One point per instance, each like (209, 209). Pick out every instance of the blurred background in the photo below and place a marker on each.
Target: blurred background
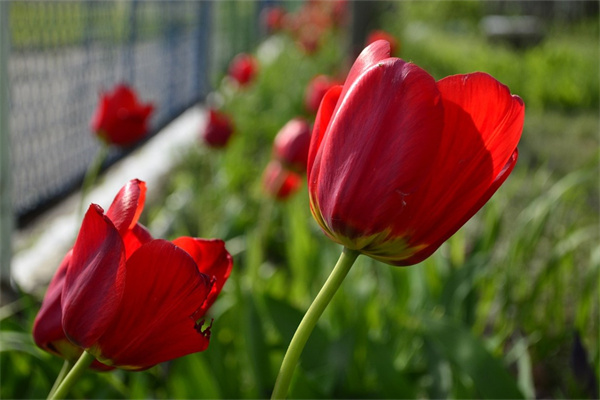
(507, 308)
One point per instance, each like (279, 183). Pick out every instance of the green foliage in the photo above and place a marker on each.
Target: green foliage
(49, 24)
(559, 73)
(492, 314)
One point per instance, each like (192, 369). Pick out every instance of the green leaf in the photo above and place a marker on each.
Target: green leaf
(257, 347)
(469, 355)
(394, 384)
(191, 377)
(286, 319)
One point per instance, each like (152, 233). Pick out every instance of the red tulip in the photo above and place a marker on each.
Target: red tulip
(315, 91)
(291, 144)
(218, 129)
(272, 18)
(120, 119)
(399, 162)
(379, 34)
(280, 182)
(130, 300)
(48, 331)
(243, 69)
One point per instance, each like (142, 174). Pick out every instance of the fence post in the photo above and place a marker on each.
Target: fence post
(6, 209)
(203, 61)
(129, 47)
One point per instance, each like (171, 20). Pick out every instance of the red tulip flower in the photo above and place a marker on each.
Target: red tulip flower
(379, 34)
(291, 144)
(132, 301)
(280, 182)
(218, 129)
(120, 119)
(399, 162)
(272, 18)
(243, 69)
(315, 91)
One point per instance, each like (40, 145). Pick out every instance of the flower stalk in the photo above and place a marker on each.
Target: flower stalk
(290, 360)
(61, 375)
(92, 174)
(80, 366)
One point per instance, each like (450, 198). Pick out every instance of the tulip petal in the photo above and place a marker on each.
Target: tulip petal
(320, 127)
(146, 109)
(380, 144)
(212, 259)
(371, 55)
(155, 322)
(47, 327)
(497, 115)
(94, 281)
(482, 127)
(124, 97)
(127, 206)
(430, 249)
(134, 238)
(100, 115)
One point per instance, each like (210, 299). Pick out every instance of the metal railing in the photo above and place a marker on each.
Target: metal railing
(56, 57)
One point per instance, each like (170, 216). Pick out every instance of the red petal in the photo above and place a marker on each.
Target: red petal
(483, 124)
(443, 236)
(123, 97)
(371, 55)
(94, 281)
(127, 206)
(321, 122)
(99, 117)
(47, 327)
(134, 238)
(496, 114)
(212, 259)
(280, 182)
(378, 149)
(155, 323)
(146, 109)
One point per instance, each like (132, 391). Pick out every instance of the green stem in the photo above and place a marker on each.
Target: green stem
(92, 173)
(80, 366)
(309, 321)
(61, 375)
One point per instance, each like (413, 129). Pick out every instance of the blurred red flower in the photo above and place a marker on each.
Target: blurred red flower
(379, 34)
(280, 182)
(315, 91)
(218, 129)
(120, 118)
(399, 162)
(243, 69)
(130, 300)
(313, 20)
(272, 18)
(291, 144)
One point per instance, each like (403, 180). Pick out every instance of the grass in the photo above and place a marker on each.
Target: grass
(493, 314)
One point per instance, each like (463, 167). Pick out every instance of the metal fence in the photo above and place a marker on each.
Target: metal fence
(62, 54)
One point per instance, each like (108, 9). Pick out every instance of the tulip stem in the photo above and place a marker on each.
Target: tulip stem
(309, 321)
(61, 375)
(80, 366)
(92, 173)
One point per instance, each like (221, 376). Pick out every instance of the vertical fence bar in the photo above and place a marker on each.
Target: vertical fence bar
(202, 47)
(170, 53)
(129, 47)
(6, 209)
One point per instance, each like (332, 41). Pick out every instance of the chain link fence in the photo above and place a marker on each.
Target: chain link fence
(63, 54)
